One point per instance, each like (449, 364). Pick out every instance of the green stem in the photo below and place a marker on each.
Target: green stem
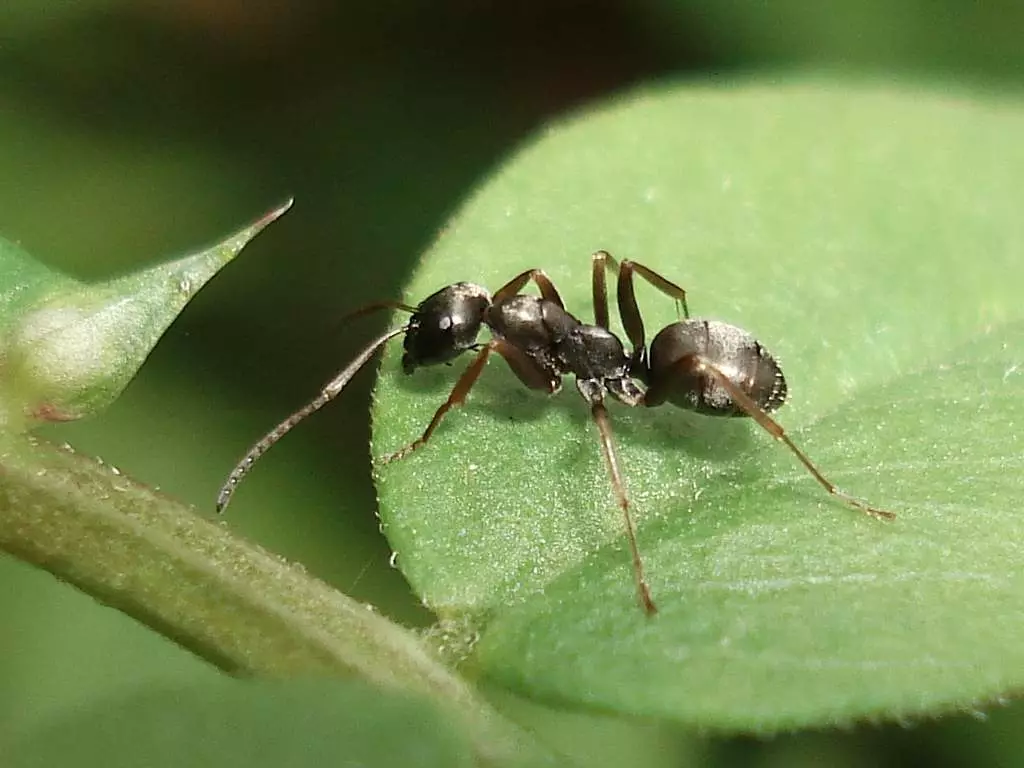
(239, 607)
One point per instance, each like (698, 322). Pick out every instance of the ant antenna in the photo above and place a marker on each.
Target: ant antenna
(331, 390)
(368, 309)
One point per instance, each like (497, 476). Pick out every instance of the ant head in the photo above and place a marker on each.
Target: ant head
(444, 325)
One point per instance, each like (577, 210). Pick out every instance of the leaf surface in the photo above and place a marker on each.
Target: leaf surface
(871, 239)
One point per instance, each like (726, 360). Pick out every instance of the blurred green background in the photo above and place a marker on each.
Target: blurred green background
(132, 131)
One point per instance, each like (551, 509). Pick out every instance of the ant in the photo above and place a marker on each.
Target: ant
(706, 366)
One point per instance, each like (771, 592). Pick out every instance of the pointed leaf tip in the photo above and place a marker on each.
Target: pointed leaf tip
(72, 349)
(276, 213)
(230, 247)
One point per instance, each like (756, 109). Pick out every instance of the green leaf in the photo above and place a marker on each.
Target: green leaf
(249, 724)
(780, 612)
(871, 238)
(68, 349)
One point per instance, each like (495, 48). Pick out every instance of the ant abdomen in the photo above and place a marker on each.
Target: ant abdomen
(677, 372)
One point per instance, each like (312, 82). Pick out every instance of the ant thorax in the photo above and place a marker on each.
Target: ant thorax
(522, 320)
(558, 342)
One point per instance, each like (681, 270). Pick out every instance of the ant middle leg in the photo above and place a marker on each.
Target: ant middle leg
(600, 263)
(525, 370)
(643, 591)
(691, 365)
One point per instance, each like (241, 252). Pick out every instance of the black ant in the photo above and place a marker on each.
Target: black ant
(702, 365)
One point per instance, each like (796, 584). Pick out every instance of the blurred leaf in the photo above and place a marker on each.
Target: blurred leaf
(599, 740)
(68, 349)
(231, 603)
(946, 38)
(18, 17)
(871, 238)
(250, 724)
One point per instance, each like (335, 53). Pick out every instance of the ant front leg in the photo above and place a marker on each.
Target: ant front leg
(456, 397)
(517, 283)
(524, 368)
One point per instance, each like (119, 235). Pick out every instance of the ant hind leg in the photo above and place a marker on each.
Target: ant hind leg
(748, 406)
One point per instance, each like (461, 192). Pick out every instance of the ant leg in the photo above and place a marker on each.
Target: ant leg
(604, 428)
(695, 363)
(456, 397)
(629, 310)
(525, 370)
(600, 261)
(517, 283)
(663, 284)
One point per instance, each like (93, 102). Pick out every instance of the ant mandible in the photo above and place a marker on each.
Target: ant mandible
(706, 366)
